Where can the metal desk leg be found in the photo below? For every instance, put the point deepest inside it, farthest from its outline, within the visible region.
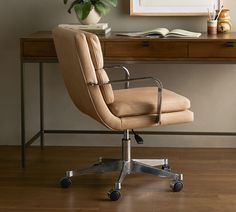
(41, 94)
(24, 143)
(22, 115)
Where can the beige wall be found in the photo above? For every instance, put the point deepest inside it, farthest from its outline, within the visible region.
(211, 88)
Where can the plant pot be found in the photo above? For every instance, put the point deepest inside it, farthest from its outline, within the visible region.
(93, 18)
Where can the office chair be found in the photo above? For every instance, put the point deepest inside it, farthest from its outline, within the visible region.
(81, 62)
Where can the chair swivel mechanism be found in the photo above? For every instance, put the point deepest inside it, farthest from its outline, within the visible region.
(82, 66)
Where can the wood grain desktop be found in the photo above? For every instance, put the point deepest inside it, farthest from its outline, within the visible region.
(39, 46)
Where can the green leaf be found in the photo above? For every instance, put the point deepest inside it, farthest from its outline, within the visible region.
(110, 2)
(102, 8)
(83, 9)
(78, 10)
(73, 4)
(94, 1)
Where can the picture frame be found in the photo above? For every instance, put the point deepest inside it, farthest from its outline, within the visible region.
(172, 7)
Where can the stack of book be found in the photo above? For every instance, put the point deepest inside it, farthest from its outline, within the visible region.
(98, 29)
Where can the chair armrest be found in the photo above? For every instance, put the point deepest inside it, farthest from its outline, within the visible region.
(123, 68)
(158, 85)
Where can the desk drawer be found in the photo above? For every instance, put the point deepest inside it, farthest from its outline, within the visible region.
(146, 49)
(38, 49)
(223, 49)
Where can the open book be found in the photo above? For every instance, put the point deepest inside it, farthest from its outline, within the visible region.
(163, 32)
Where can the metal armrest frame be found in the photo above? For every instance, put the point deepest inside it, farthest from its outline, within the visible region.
(123, 68)
(158, 85)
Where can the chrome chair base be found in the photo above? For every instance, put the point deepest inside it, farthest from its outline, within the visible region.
(126, 166)
(147, 166)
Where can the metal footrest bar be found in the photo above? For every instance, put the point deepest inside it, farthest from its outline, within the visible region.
(33, 139)
(25, 144)
(102, 132)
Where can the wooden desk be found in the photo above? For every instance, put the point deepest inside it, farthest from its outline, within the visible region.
(39, 48)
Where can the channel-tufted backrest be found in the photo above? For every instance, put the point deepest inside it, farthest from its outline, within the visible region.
(81, 62)
(98, 62)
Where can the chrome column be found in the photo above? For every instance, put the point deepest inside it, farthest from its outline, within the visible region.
(126, 147)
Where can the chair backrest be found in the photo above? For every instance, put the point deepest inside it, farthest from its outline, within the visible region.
(81, 62)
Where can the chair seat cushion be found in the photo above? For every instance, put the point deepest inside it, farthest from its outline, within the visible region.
(143, 101)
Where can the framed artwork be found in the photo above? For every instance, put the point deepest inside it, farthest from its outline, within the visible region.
(172, 7)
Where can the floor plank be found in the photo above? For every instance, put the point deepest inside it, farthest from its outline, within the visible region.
(209, 181)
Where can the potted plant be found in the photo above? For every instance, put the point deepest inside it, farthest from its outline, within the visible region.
(90, 11)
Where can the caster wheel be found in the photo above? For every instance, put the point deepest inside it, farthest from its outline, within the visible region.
(177, 186)
(114, 195)
(65, 182)
(166, 167)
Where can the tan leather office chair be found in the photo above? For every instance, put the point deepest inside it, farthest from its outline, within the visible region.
(81, 62)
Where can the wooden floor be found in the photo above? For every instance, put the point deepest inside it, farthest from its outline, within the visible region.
(209, 181)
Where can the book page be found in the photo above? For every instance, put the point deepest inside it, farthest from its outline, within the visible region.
(161, 32)
(183, 33)
(174, 3)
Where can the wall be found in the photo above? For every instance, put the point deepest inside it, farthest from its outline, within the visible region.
(211, 88)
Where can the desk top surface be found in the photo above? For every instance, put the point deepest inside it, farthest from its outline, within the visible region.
(39, 46)
(204, 37)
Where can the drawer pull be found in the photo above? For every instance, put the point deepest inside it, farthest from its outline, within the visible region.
(145, 44)
(229, 44)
